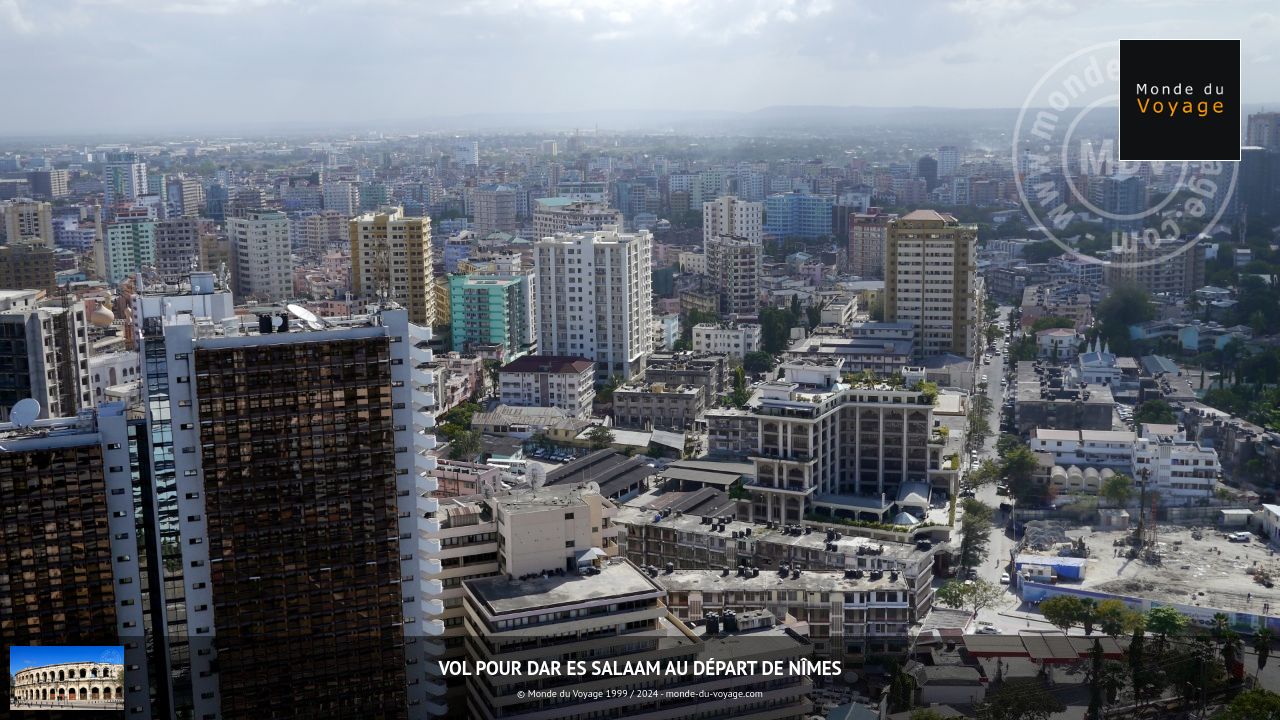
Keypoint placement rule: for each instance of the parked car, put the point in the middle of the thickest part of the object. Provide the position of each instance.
(1004, 578)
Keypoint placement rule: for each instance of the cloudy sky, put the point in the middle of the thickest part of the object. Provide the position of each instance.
(147, 65)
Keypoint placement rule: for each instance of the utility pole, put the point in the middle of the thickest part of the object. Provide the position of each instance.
(1142, 505)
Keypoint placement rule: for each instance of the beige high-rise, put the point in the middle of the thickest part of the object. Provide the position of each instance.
(28, 221)
(931, 281)
(391, 258)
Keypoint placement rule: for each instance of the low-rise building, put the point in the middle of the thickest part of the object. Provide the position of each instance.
(660, 406)
(726, 339)
(1057, 343)
(549, 381)
(1045, 398)
(708, 371)
(1174, 466)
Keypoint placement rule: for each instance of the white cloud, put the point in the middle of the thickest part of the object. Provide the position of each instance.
(12, 18)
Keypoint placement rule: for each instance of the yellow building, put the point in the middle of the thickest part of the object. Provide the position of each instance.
(391, 258)
(931, 280)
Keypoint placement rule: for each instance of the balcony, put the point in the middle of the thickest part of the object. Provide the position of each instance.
(421, 355)
(424, 420)
(431, 566)
(435, 709)
(426, 504)
(433, 628)
(434, 607)
(435, 687)
(426, 463)
(428, 483)
(431, 587)
(424, 398)
(430, 546)
(424, 440)
(430, 526)
(423, 376)
(419, 333)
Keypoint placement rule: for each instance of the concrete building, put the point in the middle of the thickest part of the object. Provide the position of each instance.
(72, 558)
(595, 299)
(256, 494)
(797, 214)
(1058, 343)
(1086, 448)
(489, 315)
(494, 209)
(1045, 398)
(727, 216)
(262, 264)
(124, 178)
(1154, 267)
(378, 241)
(45, 355)
(342, 197)
(734, 266)
(882, 356)
(177, 248)
(128, 247)
(659, 406)
(111, 369)
(184, 195)
(734, 341)
(1264, 131)
(705, 370)
(868, 236)
(49, 184)
(1175, 467)
(321, 231)
(931, 280)
(27, 221)
(28, 267)
(559, 214)
(567, 383)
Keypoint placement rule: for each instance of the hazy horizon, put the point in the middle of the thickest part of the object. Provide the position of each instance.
(105, 67)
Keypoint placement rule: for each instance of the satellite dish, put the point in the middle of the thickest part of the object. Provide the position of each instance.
(591, 488)
(277, 321)
(307, 317)
(25, 412)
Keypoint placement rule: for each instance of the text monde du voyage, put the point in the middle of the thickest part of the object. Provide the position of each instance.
(583, 668)
(1179, 99)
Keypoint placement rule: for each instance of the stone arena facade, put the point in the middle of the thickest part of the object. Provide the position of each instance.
(70, 682)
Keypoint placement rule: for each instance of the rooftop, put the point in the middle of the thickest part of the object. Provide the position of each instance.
(616, 580)
(769, 579)
(548, 363)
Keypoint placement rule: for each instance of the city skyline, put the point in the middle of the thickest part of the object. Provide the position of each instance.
(210, 57)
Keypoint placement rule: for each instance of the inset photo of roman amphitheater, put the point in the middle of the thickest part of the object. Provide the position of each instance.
(66, 677)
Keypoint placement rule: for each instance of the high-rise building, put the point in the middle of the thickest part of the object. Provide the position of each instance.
(49, 184)
(734, 266)
(127, 248)
(489, 315)
(1258, 183)
(868, 233)
(184, 196)
(729, 216)
(292, 482)
(948, 161)
(466, 152)
(927, 168)
(262, 265)
(28, 267)
(124, 178)
(595, 299)
(797, 214)
(931, 280)
(342, 197)
(45, 355)
(1264, 131)
(378, 242)
(320, 231)
(71, 553)
(494, 209)
(177, 247)
(557, 215)
(1160, 267)
(27, 221)
(1122, 200)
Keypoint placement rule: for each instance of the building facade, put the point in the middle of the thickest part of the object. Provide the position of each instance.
(262, 266)
(868, 235)
(732, 340)
(378, 242)
(931, 281)
(728, 216)
(489, 314)
(549, 381)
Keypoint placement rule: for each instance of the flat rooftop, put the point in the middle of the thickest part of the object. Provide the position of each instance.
(617, 580)
(1209, 572)
(770, 579)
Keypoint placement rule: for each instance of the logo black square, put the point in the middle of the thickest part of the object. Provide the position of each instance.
(1180, 100)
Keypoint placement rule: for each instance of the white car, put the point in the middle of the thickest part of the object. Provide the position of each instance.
(1004, 578)
(985, 378)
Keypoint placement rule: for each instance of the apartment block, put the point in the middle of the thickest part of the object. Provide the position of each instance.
(44, 354)
(705, 370)
(734, 266)
(28, 267)
(868, 236)
(262, 264)
(567, 383)
(489, 315)
(726, 339)
(658, 406)
(595, 299)
(931, 281)
(559, 215)
(27, 221)
(177, 248)
(494, 209)
(727, 216)
(1161, 268)
(391, 258)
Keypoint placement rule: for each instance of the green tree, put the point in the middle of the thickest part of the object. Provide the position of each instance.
(1006, 443)
(925, 714)
(604, 394)
(1118, 489)
(600, 437)
(757, 362)
(465, 445)
(1020, 699)
(739, 396)
(1256, 704)
(1127, 304)
(1063, 611)
(1018, 468)
(987, 472)
(876, 309)
(1154, 411)
(1165, 622)
(1115, 618)
(1097, 693)
(972, 594)
(975, 532)
(1050, 322)
(1262, 646)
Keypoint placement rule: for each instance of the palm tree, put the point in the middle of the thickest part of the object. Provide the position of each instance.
(1262, 645)
(1232, 649)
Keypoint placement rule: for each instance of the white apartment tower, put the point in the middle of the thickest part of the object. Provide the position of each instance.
(727, 215)
(343, 197)
(595, 295)
(262, 266)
